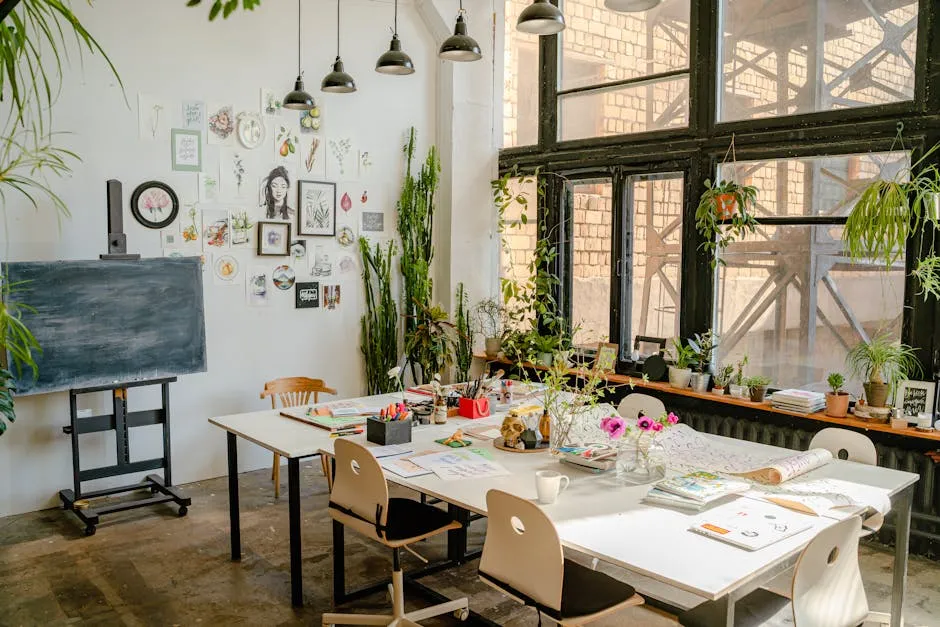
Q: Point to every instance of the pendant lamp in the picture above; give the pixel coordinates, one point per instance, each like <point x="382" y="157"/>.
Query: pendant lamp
<point x="631" y="6"/>
<point x="299" y="99"/>
<point x="395" y="61"/>
<point x="460" y="46"/>
<point x="541" y="18"/>
<point x="338" y="81"/>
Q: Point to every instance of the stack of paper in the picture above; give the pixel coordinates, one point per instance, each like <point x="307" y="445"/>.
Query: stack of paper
<point x="694" y="491"/>
<point x="750" y="524"/>
<point x="798" y="401"/>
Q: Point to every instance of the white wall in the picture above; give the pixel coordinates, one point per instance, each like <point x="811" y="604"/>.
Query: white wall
<point x="167" y="50"/>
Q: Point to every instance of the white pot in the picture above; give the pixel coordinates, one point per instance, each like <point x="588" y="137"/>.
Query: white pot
<point x="718" y="391"/>
<point x="739" y="391"/>
<point x="493" y="346"/>
<point x="679" y="377"/>
<point x="699" y="381"/>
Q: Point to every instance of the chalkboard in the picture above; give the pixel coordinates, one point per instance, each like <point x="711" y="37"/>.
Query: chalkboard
<point x="101" y="322"/>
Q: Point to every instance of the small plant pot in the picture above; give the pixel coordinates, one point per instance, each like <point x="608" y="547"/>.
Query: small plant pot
<point x="391" y="432"/>
<point x="876" y="394"/>
<point x="699" y="381"/>
<point x="725" y="206"/>
<point x="757" y="393"/>
<point x="679" y="377"/>
<point x="718" y="391"/>
<point x="474" y="407"/>
<point x="932" y="208"/>
<point x="837" y="405"/>
<point x="545" y="359"/>
<point x="492" y="346"/>
<point x="738" y="391"/>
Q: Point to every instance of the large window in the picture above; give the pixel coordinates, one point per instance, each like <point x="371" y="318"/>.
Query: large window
<point x="520" y="81"/>
<point x="591" y="263"/>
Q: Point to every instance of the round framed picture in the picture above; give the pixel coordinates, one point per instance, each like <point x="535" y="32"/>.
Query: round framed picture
<point x="154" y="204"/>
<point x="250" y="130"/>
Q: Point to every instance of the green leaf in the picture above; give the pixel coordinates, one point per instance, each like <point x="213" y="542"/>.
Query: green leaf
<point x="214" y="11"/>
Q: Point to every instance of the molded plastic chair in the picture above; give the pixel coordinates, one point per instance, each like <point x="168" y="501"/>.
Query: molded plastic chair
<point x="826" y="589"/>
<point x="359" y="500"/>
<point x="292" y="391"/>
<point x="855" y="446"/>
<point x="633" y="404"/>
<point x="523" y="558"/>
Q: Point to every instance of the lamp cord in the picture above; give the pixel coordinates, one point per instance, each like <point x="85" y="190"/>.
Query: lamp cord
<point x="396" y="17"/>
<point x="337" y="29"/>
<point x="299" y="64"/>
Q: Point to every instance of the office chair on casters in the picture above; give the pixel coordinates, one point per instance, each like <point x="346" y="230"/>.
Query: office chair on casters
<point x="359" y="500"/>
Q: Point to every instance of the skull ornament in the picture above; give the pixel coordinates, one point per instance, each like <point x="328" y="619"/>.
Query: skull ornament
<point x="511" y="430"/>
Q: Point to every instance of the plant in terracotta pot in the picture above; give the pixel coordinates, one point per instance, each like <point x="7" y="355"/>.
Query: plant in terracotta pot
<point x="723" y="377"/>
<point x="757" y="387"/>
<point x="680" y="373"/>
<point x="837" y="401"/>
<point x="881" y="363"/>
<point x="736" y="387"/>
<point x="704" y="345"/>
<point x="490" y="317"/>
<point x="724" y="215"/>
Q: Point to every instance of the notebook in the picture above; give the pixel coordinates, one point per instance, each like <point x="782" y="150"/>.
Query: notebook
<point x="660" y="497"/>
<point x="702" y="486"/>
<point x="310" y="416"/>
<point x="750" y="524"/>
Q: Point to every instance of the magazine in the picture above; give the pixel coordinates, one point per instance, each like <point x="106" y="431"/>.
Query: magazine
<point x="750" y="524"/>
<point x="702" y="486"/>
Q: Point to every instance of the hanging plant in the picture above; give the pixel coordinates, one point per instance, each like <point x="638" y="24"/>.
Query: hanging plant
<point x="927" y="274"/>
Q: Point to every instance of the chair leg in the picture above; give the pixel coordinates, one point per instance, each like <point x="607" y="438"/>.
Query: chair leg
<point x="356" y="619"/>
<point x="276" y="475"/>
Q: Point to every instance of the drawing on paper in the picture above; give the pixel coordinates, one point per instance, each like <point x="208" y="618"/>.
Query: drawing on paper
<point x="331" y="296"/>
<point x="285" y="142"/>
<point x="365" y="163"/>
<point x="257" y="287"/>
<point x="346" y="202"/>
<point x="312" y="159"/>
<point x="310" y="120"/>
<point x="209" y="188"/>
<point x="250" y="130"/>
<point x="307" y="295"/>
<point x="365" y="196"/>
<point x="216" y="228"/>
<point x="317" y="208"/>
<point x="298" y="250"/>
<point x="225" y="270"/>
<point x="372" y="222"/>
<point x="241" y="228"/>
<point x="346" y="237"/>
<point x="275" y="195"/>
<point x="283" y="277"/>
<point x="151" y="117"/>
<point x="221" y="124"/>
<point x="340" y="149"/>
<point x="347" y="265"/>
<point x="187" y="150"/>
<point x="270" y="102"/>
<point x="194" y="115"/>
<point x="320" y="264"/>
<point x="191" y="231"/>
<point x="274" y="239"/>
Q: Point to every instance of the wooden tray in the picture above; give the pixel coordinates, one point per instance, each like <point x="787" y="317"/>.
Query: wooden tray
<point x="498" y="443"/>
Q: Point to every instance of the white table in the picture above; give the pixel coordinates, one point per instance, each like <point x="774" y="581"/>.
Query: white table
<point x="595" y="515"/>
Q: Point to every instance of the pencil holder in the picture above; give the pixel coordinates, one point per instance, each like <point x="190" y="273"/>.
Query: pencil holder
<point x="474" y="407"/>
<point x="381" y="432"/>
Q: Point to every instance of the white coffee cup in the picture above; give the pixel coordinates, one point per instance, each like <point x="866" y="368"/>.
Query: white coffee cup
<point x="548" y="484"/>
<point x="925" y="420"/>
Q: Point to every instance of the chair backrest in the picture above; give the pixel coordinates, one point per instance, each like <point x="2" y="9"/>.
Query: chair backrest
<point x="359" y="489"/>
<point x="827" y="582"/>
<point x="294" y="391"/>
<point x="522" y="549"/>
<point x="854" y="446"/>
<point x="633" y="404"/>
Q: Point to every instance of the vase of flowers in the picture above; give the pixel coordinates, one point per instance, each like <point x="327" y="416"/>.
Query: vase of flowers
<point x="641" y="457"/>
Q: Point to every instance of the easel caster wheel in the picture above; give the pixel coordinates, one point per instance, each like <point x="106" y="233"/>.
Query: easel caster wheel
<point x="462" y="614"/>
<point x="183" y="511"/>
<point x="90" y="530"/>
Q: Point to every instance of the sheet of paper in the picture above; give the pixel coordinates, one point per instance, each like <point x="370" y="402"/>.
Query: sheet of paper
<point x="460" y="464"/>
<point x="403" y="467"/>
<point x="390" y="450"/>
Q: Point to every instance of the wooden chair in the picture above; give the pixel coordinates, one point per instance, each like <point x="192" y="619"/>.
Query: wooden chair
<point x="633" y="404"/>
<point x="292" y="391"/>
<point x="846" y="444"/>
<point x="523" y="558"/>
<point x="360" y="500"/>
<point x="826" y="589"/>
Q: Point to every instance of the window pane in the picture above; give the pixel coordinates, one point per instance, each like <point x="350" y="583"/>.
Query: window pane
<point x="520" y="81"/>
<point x="600" y="46"/>
<point x="656" y="205"/>
<point x="792" y="302"/>
<point x="814" y="186"/>
<point x="591" y="263"/>
<point x="803" y="56"/>
<point x="518" y="243"/>
<point x="634" y="109"/>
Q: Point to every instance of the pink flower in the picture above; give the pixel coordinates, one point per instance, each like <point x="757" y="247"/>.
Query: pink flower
<point x="657" y="426"/>
<point x="645" y="423"/>
<point x="672" y="418"/>
<point x="613" y="426"/>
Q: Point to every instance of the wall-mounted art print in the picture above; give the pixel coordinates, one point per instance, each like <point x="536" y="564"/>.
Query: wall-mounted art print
<point x="226" y="270"/>
<point x="276" y="196"/>
<point x="306" y="295"/>
<point x="274" y="239"/>
<point x="346" y="202"/>
<point x="185" y="150"/>
<point x="170" y="238"/>
<point x="286" y="143"/>
<point x="242" y="229"/>
<point x="249" y="127"/>
<point x="372" y="222"/>
<point x="364" y="197"/>
<point x="341" y="159"/>
<point x="365" y="164"/>
<point x="317" y="202"/>
<point x="320" y="263"/>
<point x="347" y="265"/>
<point x="221" y="124"/>
<point x="915" y="397"/>
<point x="194" y="115"/>
<point x="216" y="229"/>
<point x="153" y="117"/>
<point x="310" y="120"/>
<point x="298" y="251"/>
<point x="210" y="189"/>
<point x="234" y="174"/>
<point x="190" y="229"/>
<point x="270" y="102"/>
<point x="345" y="237"/>
<point x="154" y="204"/>
<point x="331" y="296"/>
<point x="283" y="277"/>
<point x="256" y="287"/>
<point x="312" y="159"/>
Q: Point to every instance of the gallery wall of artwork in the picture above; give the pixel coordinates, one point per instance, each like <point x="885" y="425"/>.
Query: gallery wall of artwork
<point x="273" y="201"/>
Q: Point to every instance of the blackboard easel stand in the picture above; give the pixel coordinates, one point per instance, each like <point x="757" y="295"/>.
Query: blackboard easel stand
<point x="120" y="421"/>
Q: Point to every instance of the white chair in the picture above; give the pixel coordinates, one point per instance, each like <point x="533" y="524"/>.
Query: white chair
<point x="523" y="558"/>
<point x="633" y="404"/>
<point x="854" y="445"/>
<point x="359" y="500"/>
<point x="826" y="589"/>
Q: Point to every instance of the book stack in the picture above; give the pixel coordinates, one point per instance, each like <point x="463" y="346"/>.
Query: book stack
<point x="798" y="401"/>
<point x="694" y="491"/>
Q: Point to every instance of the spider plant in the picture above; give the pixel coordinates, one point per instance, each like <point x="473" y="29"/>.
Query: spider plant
<point x="927" y="274"/>
<point x="721" y="202"/>
<point x="882" y="363"/>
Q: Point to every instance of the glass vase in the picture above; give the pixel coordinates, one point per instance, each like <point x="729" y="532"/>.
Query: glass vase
<point x="641" y="459"/>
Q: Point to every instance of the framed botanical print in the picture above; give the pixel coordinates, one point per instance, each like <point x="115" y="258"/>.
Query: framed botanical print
<point x="316" y="203"/>
<point x="274" y="239"/>
<point x="154" y="204"/>
<point x="606" y="360"/>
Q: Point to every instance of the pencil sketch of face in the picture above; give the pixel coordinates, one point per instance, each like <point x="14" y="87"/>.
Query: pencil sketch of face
<point x="279" y="189"/>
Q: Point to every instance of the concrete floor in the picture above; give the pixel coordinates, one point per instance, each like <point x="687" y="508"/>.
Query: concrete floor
<point x="148" y="567"/>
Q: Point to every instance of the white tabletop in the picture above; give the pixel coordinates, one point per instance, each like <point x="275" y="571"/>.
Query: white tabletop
<point x="596" y="514"/>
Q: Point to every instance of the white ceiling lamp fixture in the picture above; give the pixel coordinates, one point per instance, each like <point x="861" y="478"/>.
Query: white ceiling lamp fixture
<point x="631" y="6"/>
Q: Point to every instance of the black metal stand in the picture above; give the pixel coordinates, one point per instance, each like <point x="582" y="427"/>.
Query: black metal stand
<point x="120" y="421"/>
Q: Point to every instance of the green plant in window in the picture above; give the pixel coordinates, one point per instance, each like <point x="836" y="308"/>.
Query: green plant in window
<point x="724" y="215"/>
<point x="704" y="346"/>
<point x="835" y="381"/>
<point x="723" y="375"/>
<point x="739" y="371"/>
<point x="684" y="354"/>
<point x="882" y="363"/>
<point x="927" y="274"/>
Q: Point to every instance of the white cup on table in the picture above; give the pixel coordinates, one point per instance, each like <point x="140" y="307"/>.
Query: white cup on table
<point x="549" y="484"/>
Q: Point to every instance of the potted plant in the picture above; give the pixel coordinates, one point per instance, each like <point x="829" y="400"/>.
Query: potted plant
<point x="757" y="387"/>
<point x="736" y="387"/>
<point x="703" y="345"/>
<point x="720" y="203"/>
<point x="881" y="363"/>
<point x="680" y="373"/>
<point x="837" y="401"/>
<point x="431" y="345"/>
<point x="463" y="335"/>
<point x="544" y="347"/>
<point x="490" y="318"/>
<point x="722" y="378"/>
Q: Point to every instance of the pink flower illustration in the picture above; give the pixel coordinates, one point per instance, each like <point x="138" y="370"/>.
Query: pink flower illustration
<point x="614" y="427"/>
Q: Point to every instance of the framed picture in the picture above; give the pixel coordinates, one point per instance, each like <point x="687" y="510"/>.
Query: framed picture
<point x="274" y="239"/>
<point x="914" y="397"/>
<point x="186" y="148"/>
<point x="606" y="360"/>
<point x="316" y="202"/>
<point x="154" y="204"/>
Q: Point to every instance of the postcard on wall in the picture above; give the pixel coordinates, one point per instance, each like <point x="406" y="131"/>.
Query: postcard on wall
<point x="191" y="226"/>
<point x="194" y="115"/>
<point x="276" y="196"/>
<point x="307" y="295"/>
<point x="226" y="269"/>
<point x="210" y="188"/>
<point x="216" y="225"/>
<point x="371" y="222"/>
<point x="341" y="159"/>
<point x="312" y="154"/>
<point x="171" y="238"/>
<point x="186" y="150"/>
<point x="270" y="104"/>
<point x="298" y="252"/>
<point x="286" y="144"/>
<point x="243" y="229"/>
<point x="331" y="296"/>
<point x="366" y="164"/>
<point x="256" y="286"/>
<point x="317" y="202"/>
<point x="320" y="262"/>
<point x="347" y="265"/>
<point x="221" y="124"/>
<point x="153" y="117"/>
<point x="235" y="174"/>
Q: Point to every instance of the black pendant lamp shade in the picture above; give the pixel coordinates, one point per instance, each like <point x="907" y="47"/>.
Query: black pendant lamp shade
<point x="460" y="46"/>
<point x="541" y="18"/>
<point x="299" y="99"/>
<point x="395" y="61"/>
<point x="338" y="81"/>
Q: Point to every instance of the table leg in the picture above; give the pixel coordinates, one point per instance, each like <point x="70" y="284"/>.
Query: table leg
<point x="457" y="538"/>
<point x="296" y="563"/>
<point x="902" y="537"/>
<point x="233" y="520"/>
<point x="339" y="563"/>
